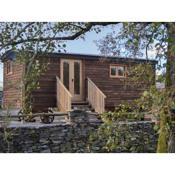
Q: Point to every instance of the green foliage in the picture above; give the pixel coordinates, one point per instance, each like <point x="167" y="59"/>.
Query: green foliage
<point x="7" y="134"/>
<point x="114" y="133"/>
<point x="34" y="68"/>
<point x="140" y="75"/>
<point x="161" y="78"/>
<point x="118" y="137"/>
<point x="151" y="100"/>
<point x="109" y="137"/>
<point x="136" y="40"/>
<point x="124" y="112"/>
<point x="161" y="104"/>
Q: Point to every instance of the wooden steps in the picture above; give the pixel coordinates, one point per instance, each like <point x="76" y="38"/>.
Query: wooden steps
<point x="82" y="105"/>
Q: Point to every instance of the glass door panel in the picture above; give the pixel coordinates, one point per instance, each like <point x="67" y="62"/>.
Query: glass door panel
<point x="66" y="74"/>
<point x="76" y="77"/>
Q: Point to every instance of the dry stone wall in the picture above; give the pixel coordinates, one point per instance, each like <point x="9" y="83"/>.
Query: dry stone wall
<point x="69" y="138"/>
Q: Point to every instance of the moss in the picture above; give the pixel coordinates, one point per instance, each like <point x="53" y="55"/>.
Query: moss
<point x="162" y="146"/>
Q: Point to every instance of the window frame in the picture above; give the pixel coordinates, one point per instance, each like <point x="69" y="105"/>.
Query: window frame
<point x="115" y="66"/>
<point x="9" y="67"/>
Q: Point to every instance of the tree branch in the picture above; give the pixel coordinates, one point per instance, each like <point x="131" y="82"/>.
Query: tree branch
<point x="23" y="30"/>
<point x="71" y="37"/>
<point x="149" y="41"/>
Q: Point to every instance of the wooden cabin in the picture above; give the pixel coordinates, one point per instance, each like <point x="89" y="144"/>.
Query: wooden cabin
<point x="74" y="79"/>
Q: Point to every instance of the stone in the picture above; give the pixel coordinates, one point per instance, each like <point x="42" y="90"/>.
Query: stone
<point x="75" y="138"/>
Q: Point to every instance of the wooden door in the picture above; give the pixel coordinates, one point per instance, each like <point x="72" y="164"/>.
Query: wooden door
<point x="71" y="76"/>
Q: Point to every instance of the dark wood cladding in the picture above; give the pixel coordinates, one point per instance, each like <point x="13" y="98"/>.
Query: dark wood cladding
<point x="45" y="96"/>
<point x="115" y="89"/>
<point x="12" y="86"/>
<point x="96" y="69"/>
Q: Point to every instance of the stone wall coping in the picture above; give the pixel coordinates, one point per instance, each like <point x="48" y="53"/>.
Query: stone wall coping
<point x="16" y="124"/>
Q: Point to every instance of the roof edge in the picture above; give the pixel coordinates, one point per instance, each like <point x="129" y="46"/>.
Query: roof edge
<point x="80" y="55"/>
<point x="92" y="56"/>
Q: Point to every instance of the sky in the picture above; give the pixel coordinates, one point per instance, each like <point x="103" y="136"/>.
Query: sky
<point x="88" y="45"/>
<point x="85" y="46"/>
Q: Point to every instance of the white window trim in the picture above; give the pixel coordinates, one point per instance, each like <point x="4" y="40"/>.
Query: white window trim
<point x="117" y="76"/>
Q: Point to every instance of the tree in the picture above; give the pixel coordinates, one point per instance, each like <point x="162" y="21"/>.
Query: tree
<point x="21" y="35"/>
<point x="137" y="40"/>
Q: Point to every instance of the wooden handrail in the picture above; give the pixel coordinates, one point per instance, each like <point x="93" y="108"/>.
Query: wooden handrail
<point x="96" y="87"/>
<point x="96" y="97"/>
<point x="63" y="97"/>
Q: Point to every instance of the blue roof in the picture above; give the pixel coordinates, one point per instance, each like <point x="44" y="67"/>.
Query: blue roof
<point x="11" y="55"/>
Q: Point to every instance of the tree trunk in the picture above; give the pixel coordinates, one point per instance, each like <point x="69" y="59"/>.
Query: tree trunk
<point x="170" y="77"/>
<point x="162" y="146"/>
<point x="165" y="143"/>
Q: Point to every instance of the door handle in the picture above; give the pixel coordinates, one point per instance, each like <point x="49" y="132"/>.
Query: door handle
<point x="72" y="79"/>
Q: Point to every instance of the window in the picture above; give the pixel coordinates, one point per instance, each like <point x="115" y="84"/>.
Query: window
<point x="9" y="67"/>
<point x="117" y="71"/>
